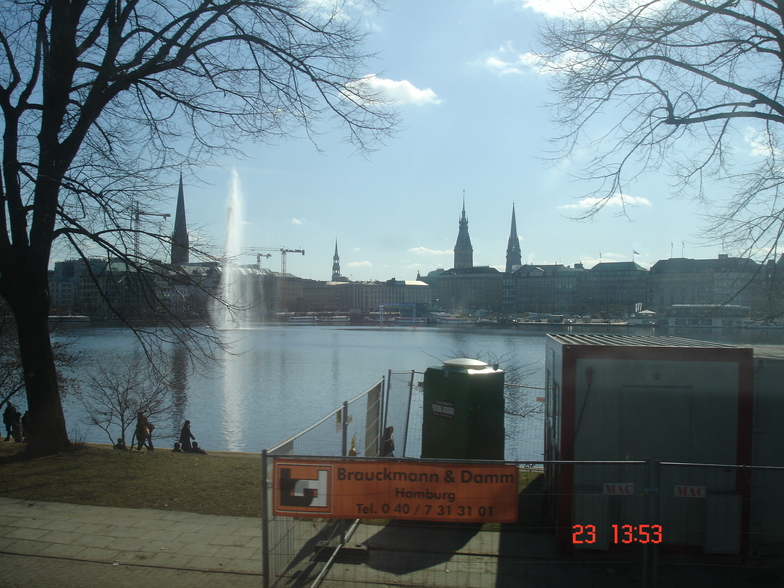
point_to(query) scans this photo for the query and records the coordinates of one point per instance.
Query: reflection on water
(233, 390)
(280, 379)
(179, 383)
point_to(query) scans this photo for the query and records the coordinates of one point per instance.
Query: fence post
(408, 414)
(382, 411)
(265, 563)
(387, 396)
(344, 450)
(650, 551)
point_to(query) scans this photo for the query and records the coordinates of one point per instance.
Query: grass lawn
(219, 483)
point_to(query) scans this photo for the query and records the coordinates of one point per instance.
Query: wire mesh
(579, 523)
(404, 411)
(289, 543)
(629, 523)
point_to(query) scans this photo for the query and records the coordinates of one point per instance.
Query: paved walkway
(48, 544)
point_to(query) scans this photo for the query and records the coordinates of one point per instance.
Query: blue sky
(474, 118)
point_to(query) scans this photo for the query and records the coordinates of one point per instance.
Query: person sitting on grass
(177, 448)
(120, 444)
(196, 449)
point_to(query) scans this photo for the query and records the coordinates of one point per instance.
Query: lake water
(284, 378)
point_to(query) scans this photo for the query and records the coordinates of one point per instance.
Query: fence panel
(621, 515)
(289, 543)
(404, 411)
(611, 511)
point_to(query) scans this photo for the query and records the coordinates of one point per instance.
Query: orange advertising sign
(374, 489)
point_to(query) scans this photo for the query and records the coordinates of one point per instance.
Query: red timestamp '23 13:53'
(586, 534)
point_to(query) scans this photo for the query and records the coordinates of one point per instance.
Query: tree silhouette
(691, 87)
(101, 101)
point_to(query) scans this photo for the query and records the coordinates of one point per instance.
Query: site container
(767, 485)
(619, 397)
(463, 411)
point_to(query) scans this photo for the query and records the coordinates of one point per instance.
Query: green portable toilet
(463, 411)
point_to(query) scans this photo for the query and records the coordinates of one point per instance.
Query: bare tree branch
(102, 100)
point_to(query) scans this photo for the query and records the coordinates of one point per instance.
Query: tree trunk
(47, 434)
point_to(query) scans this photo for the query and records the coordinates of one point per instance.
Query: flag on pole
(634, 252)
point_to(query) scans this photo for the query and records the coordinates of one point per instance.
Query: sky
(474, 123)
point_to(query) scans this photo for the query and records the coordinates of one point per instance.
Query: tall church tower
(464, 253)
(180, 249)
(513, 255)
(336, 264)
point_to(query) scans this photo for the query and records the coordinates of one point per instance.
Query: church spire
(336, 264)
(180, 249)
(513, 253)
(464, 253)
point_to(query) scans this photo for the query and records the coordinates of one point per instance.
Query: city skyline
(472, 121)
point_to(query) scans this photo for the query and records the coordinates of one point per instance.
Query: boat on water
(456, 320)
(334, 320)
(302, 320)
(409, 320)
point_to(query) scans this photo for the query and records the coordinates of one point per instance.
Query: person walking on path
(144, 429)
(388, 443)
(8, 419)
(186, 436)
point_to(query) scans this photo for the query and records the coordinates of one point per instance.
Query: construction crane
(136, 214)
(283, 251)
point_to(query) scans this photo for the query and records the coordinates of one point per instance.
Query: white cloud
(590, 9)
(760, 143)
(297, 221)
(393, 91)
(618, 200)
(426, 251)
(506, 60)
(560, 8)
(359, 264)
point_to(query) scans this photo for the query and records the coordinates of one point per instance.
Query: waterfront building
(771, 291)
(321, 296)
(549, 288)
(612, 289)
(431, 279)
(470, 289)
(367, 296)
(188, 290)
(707, 282)
(464, 252)
(64, 285)
(346, 296)
(112, 286)
(513, 252)
(180, 246)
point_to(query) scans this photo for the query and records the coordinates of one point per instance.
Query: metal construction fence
(622, 523)
(354, 429)
(404, 411)
(599, 523)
